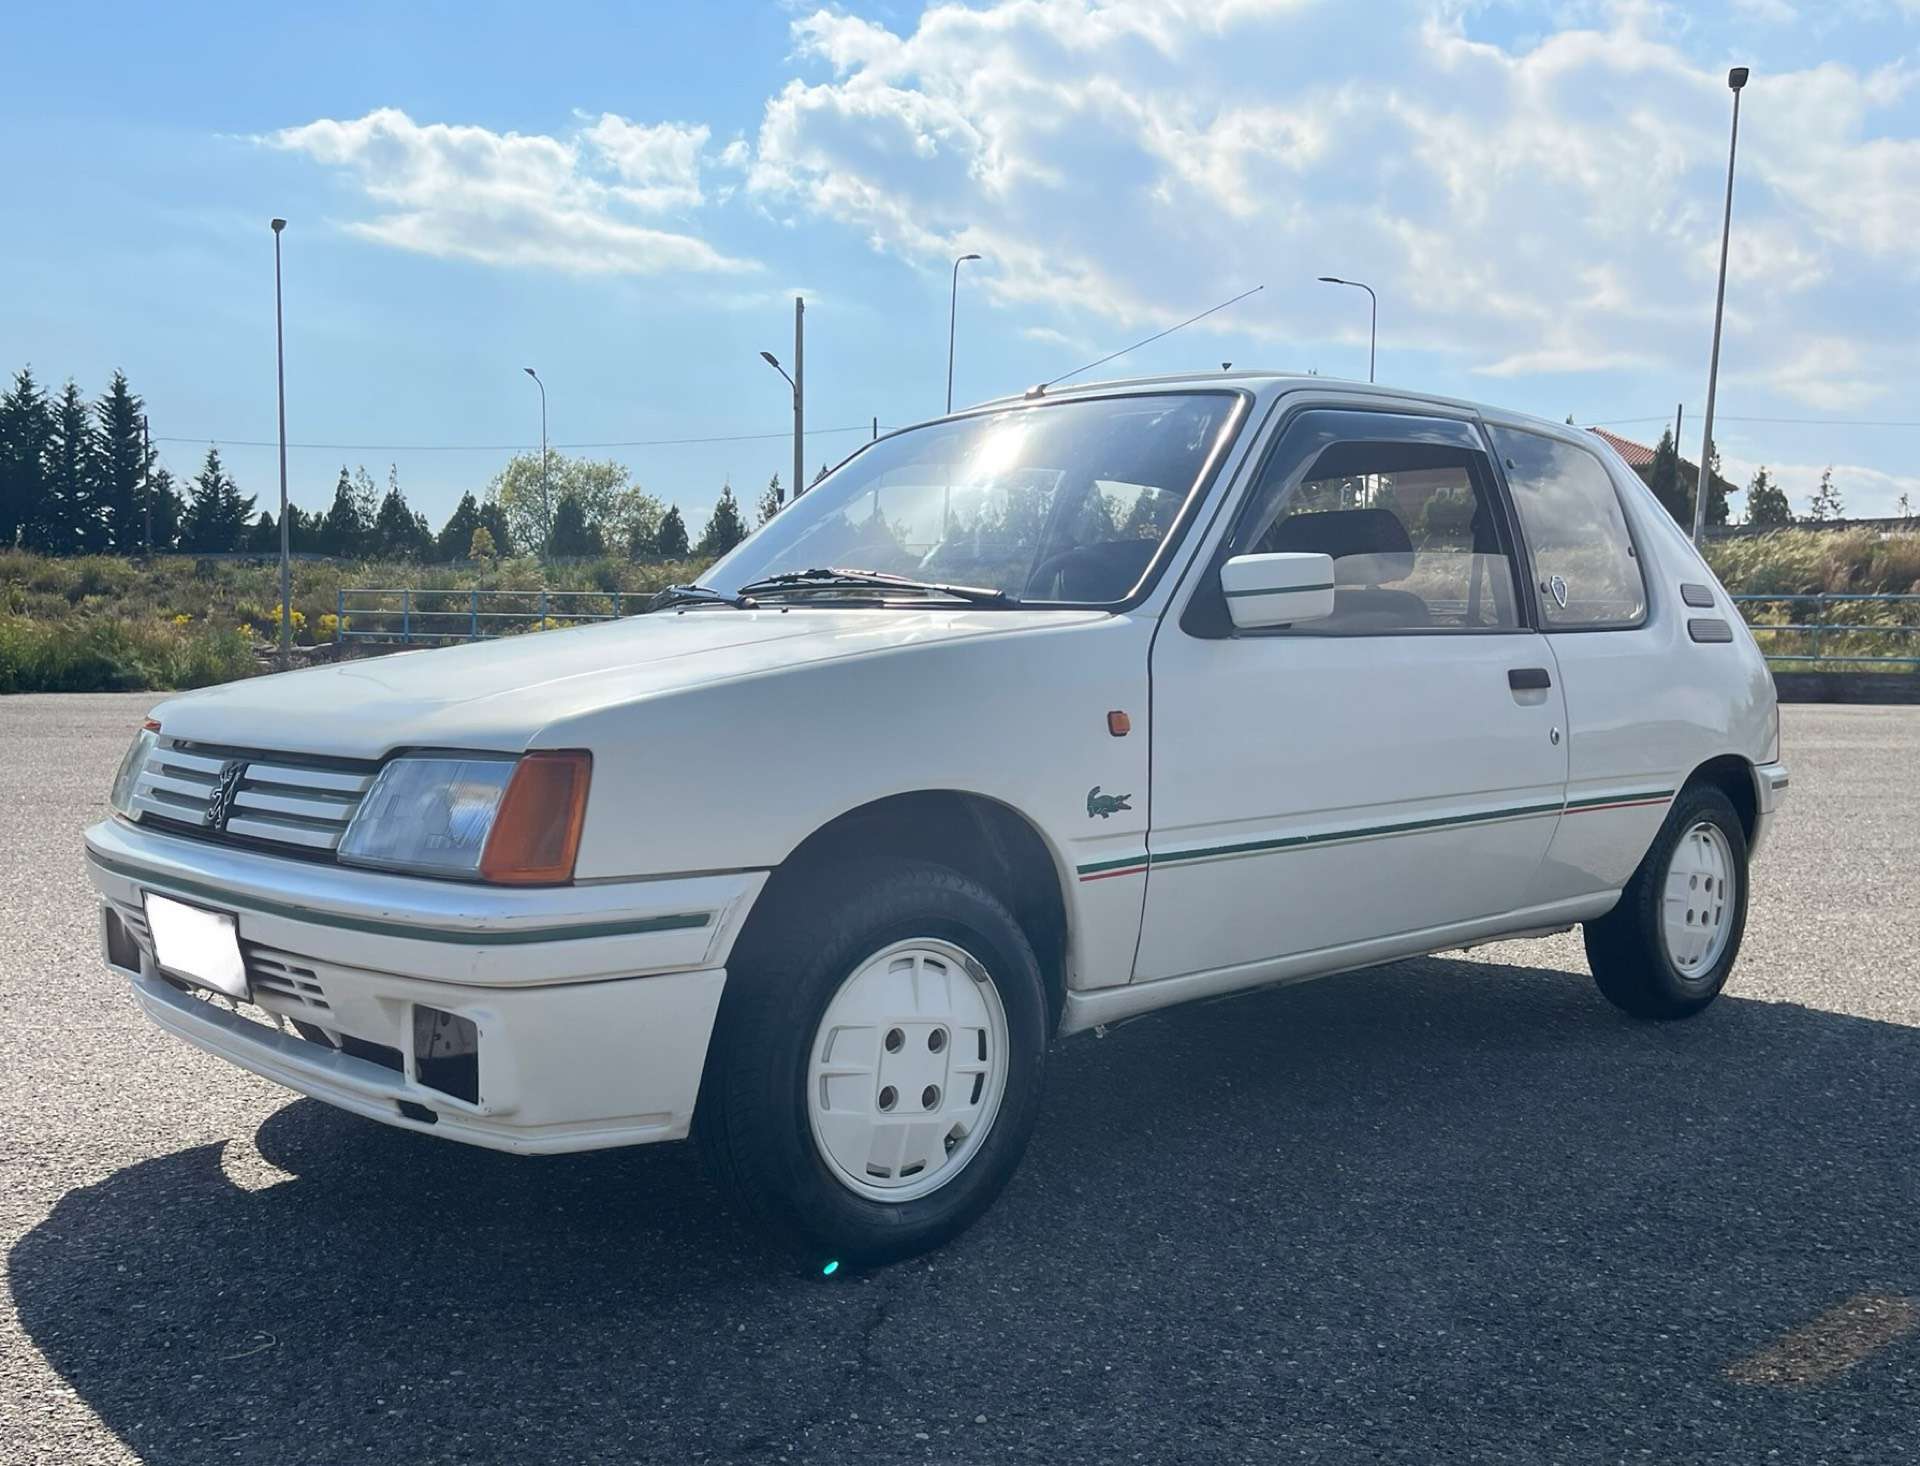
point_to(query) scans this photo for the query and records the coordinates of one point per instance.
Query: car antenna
(1041, 389)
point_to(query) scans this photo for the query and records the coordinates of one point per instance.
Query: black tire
(752, 1118)
(1626, 948)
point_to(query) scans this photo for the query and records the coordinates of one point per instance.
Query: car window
(1583, 559)
(1412, 529)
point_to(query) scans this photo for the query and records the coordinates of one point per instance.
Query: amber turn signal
(537, 831)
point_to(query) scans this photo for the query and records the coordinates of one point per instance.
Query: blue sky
(628, 197)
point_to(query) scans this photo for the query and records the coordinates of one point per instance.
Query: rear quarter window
(1582, 555)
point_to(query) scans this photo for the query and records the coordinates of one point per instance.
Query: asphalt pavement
(1455, 1209)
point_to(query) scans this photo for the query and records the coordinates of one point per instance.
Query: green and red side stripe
(1133, 865)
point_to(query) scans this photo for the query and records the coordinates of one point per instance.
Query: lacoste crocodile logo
(1105, 806)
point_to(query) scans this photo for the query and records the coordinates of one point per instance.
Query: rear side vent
(1709, 629)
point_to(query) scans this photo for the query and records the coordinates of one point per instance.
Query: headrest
(1368, 546)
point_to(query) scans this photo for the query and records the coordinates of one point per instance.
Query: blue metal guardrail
(1826, 640)
(428, 617)
(414, 617)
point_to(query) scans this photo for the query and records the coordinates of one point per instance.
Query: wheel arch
(1734, 777)
(982, 837)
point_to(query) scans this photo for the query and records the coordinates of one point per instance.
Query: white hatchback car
(1028, 720)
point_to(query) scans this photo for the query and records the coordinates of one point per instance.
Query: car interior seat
(1370, 549)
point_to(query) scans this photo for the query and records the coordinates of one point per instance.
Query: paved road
(1447, 1210)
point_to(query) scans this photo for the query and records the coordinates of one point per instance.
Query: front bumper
(591, 1005)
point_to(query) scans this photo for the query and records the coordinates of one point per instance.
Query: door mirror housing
(1277, 590)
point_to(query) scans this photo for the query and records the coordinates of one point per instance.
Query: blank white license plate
(200, 945)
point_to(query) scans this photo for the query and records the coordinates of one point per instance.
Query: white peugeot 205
(1024, 721)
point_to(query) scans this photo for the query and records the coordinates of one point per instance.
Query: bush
(110, 655)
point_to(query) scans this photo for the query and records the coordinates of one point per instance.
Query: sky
(628, 198)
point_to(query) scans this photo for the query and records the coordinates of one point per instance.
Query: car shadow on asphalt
(1441, 1208)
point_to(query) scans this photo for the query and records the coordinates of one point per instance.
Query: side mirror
(1277, 590)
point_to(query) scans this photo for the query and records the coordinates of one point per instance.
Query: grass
(99, 623)
(1832, 562)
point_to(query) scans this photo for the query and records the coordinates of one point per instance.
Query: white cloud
(1532, 208)
(577, 203)
(658, 166)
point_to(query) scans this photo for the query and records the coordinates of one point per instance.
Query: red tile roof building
(1638, 455)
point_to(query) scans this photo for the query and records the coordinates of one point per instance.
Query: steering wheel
(1055, 569)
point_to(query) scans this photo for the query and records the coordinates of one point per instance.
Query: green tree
(66, 520)
(1825, 506)
(217, 514)
(456, 538)
(608, 500)
(575, 537)
(344, 530)
(493, 519)
(263, 535)
(481, 546)
(725, 526)
(771, 499)
(123, 466)
(1663, 477)
(1767, 504)
(671, 542)
(26, 426)
(166, 508)
(399, 533)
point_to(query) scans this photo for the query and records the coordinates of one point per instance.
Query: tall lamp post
(546, 506)
(280, 372)
(1373, 318)
(1736, 79)
(799, 460)
(953, 305)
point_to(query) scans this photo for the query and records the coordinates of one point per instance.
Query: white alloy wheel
(1699, 900)
(906, 1070)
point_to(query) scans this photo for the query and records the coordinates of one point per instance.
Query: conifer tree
(26, 424)
(122, 466)
(725, 527)
(671, 543)
(66, 520)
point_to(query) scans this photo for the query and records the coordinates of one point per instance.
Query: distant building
(1638, 456)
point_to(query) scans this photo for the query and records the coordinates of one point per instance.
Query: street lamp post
(953, 305)
(280, 372)
(546, 506)
(1373, 319)
(1736, 79)
(798, 460)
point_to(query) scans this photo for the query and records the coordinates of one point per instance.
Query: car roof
(1271, 384)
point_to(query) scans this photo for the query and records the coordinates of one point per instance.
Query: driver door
(1392, 770)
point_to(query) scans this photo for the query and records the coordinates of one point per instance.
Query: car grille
(278, 799)
(287, 978)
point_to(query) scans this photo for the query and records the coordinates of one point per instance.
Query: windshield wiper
(696, 595)
(828, 579)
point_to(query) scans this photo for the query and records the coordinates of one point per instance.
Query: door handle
(1528, 679)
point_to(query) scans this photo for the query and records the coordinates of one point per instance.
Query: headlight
(120, 799)
(474, 818)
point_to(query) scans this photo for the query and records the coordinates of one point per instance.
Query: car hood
(519, 692)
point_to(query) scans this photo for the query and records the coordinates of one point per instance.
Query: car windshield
(1053, 502)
